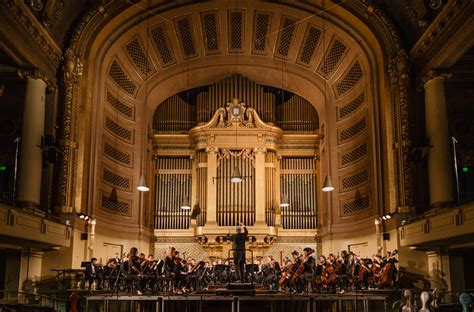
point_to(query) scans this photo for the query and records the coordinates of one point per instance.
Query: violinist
(318, 272)
(92, 272)
(134, 264)
(344, 270)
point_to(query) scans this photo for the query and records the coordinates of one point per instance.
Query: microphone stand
(17, 141)
(456, 169)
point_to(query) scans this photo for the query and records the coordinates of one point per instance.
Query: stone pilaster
(211, 186)
(260, 186)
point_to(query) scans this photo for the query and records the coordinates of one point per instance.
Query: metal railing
(19, 298)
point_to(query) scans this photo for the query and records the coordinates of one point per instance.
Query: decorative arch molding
(71, 192)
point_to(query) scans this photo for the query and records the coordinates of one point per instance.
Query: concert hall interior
(340, 127)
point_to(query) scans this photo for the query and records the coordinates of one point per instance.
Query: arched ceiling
(269, 43)
(139, 58)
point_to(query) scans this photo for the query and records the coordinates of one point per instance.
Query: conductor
(238, 245)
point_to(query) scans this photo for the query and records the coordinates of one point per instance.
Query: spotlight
(389, 216)
(82, 216)
(384, 218)
(86, 217)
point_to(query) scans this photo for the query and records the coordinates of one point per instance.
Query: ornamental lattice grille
(288, 27)
(114, 179)
(353, 156)
(209, 29)
(332, 58)
(184, 29)
(351, 107)
(352, 131)
(262, 26)
(139, 59)
(350, 182)
(355, 206)
(163, 45)
(117, 74)
(352, 77)
(236, 35)
(119, 206)
(310, 44)
(115, 154)
(125, 110)
(119, 131)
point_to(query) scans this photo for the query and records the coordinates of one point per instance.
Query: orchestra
(305, 273)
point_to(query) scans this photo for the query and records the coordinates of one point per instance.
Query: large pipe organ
(198, 163)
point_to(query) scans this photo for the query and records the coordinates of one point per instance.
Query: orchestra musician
(344, 272)
(238, 245)
(92, 272)
(303, 275)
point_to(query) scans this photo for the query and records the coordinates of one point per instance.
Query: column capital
(260, 150)
(35, 73)
(434, 73)
(73, 66)
(212, 149)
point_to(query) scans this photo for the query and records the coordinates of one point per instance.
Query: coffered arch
(312, 59)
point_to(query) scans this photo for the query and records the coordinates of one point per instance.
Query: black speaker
(386, 236)
(84, 236)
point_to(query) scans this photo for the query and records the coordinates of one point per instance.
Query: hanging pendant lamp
(236, 176)
(142, 185)
(327, 185)
(284, 200)
(185, 205)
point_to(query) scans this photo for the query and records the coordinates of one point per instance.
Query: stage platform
(367, 301)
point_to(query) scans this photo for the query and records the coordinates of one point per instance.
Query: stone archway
(361, 72)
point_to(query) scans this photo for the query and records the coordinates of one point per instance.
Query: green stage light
(3, 168)
(465, 169)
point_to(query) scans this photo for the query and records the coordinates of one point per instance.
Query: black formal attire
(238, 245)
(92, 273)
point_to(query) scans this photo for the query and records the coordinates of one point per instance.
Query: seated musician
(303, 274)
(92, 273)
(112, 270)
(292, 270)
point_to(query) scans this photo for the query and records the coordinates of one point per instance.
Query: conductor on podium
(238, 245)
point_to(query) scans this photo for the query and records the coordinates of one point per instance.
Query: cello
(298, 271)
(387, 272)
(285, 274)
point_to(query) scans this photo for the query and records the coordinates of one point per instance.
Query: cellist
(291, 269)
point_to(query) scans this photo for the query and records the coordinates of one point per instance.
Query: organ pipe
(173, 183)
(298, 180)
(235, 201)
